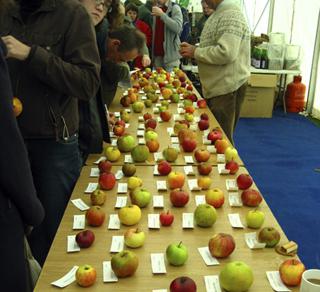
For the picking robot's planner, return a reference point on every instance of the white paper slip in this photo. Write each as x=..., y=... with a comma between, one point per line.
x=154, y=221
x=221, y=158
x=235, y=200
x=143, y=97
x=200, y=199
x=94, y=172
x=206, y=132
x=108, y=274
x=205, y=141
x=159, y=120
x=128, y=158
x=140, y=133
x=91, y=188
x=114, y=142
x=67, y=279
x=160, y=290
x=121, y=202
x=117, y=243
x=188, y=169
x=158, y=201
x=79, y=222
x=155, y=170
x=157, y=263
x=160, y=97
x=180, y=105
x=158, y=91
x=100, y=159
x=140, y=119
x=119, y=174
x=177, y=117
x=212, y=149
x=127, y=125
x=117, y=114
x=128, y=110
x=212, y=283
x=188, y=159
x=174, y=140
x=141, y=91
x=112, y=135
x=193, y=185
x=176, y=146
x=142, y=141
x=81, y=205
x=158, y=156
x=155, y=110
x=161, y=185
x=158, y=104
x=114, y=222
x=235, y=220
x=187, y=220
x=252, y=242
x=222, y=168
x=207, y=257
x=122, y=188
x=170, y=131
x=141, y=127
x=72, y=245
x=195, y=105
x=276, y=282
x=231, y=185
x=194, y=127
x=125, y=93
x=197, y=119
x=180, y=110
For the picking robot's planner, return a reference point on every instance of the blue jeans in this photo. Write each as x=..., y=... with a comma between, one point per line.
x=55, y=168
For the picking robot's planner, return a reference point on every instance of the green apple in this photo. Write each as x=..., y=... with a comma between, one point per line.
x=124, y=263
x=151, y=135
x=170, y=154
x=236, y=277
x=230, y=154
x=188, y=117
x=125, y=116
x=255, y=219
x=140, y=197
x=140, y=153
x=126, y=143
x=148, y=103
x=165, y=103
x=177, y=254
x=187, y=102
x=175, y=98
x=112, y=153
x=163, y=108
x=138, y=106
x=134, y=238
x=205, y=215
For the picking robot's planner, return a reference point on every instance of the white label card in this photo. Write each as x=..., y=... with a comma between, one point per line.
x=72, y=245
x=205, y=141
x=174, y=140
x=155, y=170
x=154, y=221
x=207, y=257
x=156, y=110
x=159, y=120
x=91, y=188
x=121, y=202
x=161, y=185
x=122, y=188
x=170, y=131
x=188, y=169
x=158, y=156
x=180, y=110
x=193, y=185
x=108, y=274
x=140, y=133
x=194, y=127
x=212, y=149
x=141, y=127
x=143, y=97
x=119, y=174
x=188, y=159
x=140, y=119
x=276, y=282
x=235, y=220
x=176, y=117
x=114, y=142
x=197, y=119
x=252, y=242
x=81, y=205
x=112, y=135
x=142, y=141
x=79, y=222
x=117, y=243
x=235, y=200
x=117, y=114
x=176, y=146
x=67, y=279
x=221, y=158
x=212, y=283
x=222, y=168
x=200, y=199
x=231, y=185
x=158, y=91
x=114, y=222
x=100, y=159
x=157, y=263
x=158, y=201
x=94, y=172
x=127, y=125
x=187, y=220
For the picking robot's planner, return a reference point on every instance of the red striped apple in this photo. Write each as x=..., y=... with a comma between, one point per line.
x=221, y=245
x=251, y=198
x=86, y=275
x=291, y=272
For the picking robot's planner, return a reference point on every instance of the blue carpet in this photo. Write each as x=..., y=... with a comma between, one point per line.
x=282, y=154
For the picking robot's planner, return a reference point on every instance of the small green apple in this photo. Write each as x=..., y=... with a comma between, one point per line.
x=255, y=219
x=177, y=254
x=205, y=215
x=140, y=197
x=134, y=238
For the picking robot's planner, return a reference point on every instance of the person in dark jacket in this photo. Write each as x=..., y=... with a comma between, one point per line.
x=51, y=66
x=19, y=205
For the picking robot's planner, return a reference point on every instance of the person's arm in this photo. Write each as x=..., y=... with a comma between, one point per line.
x=173, y=23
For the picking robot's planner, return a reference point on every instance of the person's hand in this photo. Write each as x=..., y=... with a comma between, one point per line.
x=146, y=61
x=187, y=50
x=15, y=48
x=157, y=11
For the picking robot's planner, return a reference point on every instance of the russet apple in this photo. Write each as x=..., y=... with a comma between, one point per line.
x=291, y=272
x=95, y=216
x=140, y=197
x=129, y=169
x=183, y=284
x=204, y=182
x=244, y=181
x=148, y=103
x=98, y=197
x=179, y=197
x=204, y=168
x=205, y=215
x=255, y=219
x=221, y=245
x=112, y=153
x=177, y=254
x=166, y=218
x=86, y=276
x=125, y=101
x=85, y=238
x=134, y=182
x=270, y=236
x=215, y=197
x=129, y=215
x=251, y=198
x=126, y=143
x=202, y=155
x=107, y=181
x=124, y=263
x=134, y=238
x=164, y=167
x=140, y=153
x=176, y=180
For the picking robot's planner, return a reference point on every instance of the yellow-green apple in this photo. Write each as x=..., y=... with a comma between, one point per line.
x=124, y=263
x=244, y=181
x=166, y=218
x=179, y=126
x=204, y=168
x=166, y=93
x=205, y=215
x=291, y=272
x=134, y=182
x=204, y=116
x=153, y=145
x=85, y=238
x=129, y=215
x=134, y=98
x=233, y=166
x=150, y=123
x=140, y=197
x=86, y=275
x=175, y=98
x=187, y=102
x=164, y=167
x=107, y=181
x=176, y=179
x=95, y=216
x=204, y=182
x=170, y=154
x=236, y=276
x=129, y=169
x=134, y=238
x=188, y=117
x=183, y=284
x=221, y=145
x=177, y=254
x=179, y=197
x=112, y=153
x=148, y=103
x=202, y=155
x=150, y=135
x=165, y=116
x=231, y=153
x=188, y=144
x=140, y=153
x=138, y=106
x=125, y=116
x=17, y=106
x=255, y=219
x=203, y=125
x=104, y=166
x=147, y=116
x=126, y=142
x=215, y=197
x=201, y=103
x=251, y=198
x=214, y=135
x=118, y=130
x=221, y=245
x=270, y=236
x=153, y=97
x=98, y=197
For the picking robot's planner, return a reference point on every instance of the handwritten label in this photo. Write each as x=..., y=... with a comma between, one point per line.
x=252, y=242
x=94, y=172
x=193, y=185
x=119, y=174
x=231, y=185
x=188, y=160
x=140, y=133
x=108, y=274
x=187, y=220
x=100, y=159
x=221, y=158
x=207, y=257
x=142, y=141
x=188, y=169
x=154, y=221
x=91, y=188
x=81, y=205
x=121, y=202
x=212, y=149
x=235, y=200
x=67, y=279
x=114, y=222
x=158, y=201
x=117, y=243
x=72, y=245
x=122, y=188
x=235, y=220
x=157, y=263
x=158, y=156
x=161, y=185
x=79, y=222
x=212, y=283
x=276, y=282
x=200, y=199
x=222, y=168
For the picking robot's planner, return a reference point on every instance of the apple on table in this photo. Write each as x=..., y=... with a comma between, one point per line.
x=95, y=216
x=124, y=263
x=183, y=284
x=86, y=275
x=166, y=218
x=270, y=236
x=291, y=272
x=134, y=238
x=177, y=254
x=85, y=238
x=221, y=245
x=205, y=215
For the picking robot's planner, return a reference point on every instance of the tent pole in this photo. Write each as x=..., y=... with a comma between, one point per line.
x=271, y=12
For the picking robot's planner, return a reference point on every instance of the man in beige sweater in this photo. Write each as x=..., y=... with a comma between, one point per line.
x=223, y=58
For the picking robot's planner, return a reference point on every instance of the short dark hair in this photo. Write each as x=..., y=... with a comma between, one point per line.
x=130, y=38
x=132, y=7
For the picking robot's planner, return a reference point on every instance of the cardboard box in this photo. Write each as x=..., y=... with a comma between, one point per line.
x=259, y=98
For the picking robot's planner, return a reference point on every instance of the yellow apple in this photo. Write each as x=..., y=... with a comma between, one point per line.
x=129, y=215
x=134, y=182
x=231, y=154
x=204, y=182
x=112, y=153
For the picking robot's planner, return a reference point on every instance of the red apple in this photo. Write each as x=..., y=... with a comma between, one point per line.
x=188, y=145
x=251, y=198
x=105, y=166
x=176, y=180
x=118, y=130
x=147, y=116
x=232, y=166
x=166, y=218
x=204, y=168
x=204, y=116
x=153, y=145
x=179, y=197
x=192, y=97
x=151, y=123
x=189, y=87
x=291, y=272
x=95, y=216
x=186, y=133
x=164, y=167
x=183, y=284
x=215, y=197
x=107, y=181
x=202, y=103
x=86, y=275
x=202, y=155
x=221, y=145
x=120, y=123
x=221, y=245
x=215, y=135
x=165, y=116
x=189, y=109
x=244, y=181
x=203, y=125
x=85, y=238
x=124, y=263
